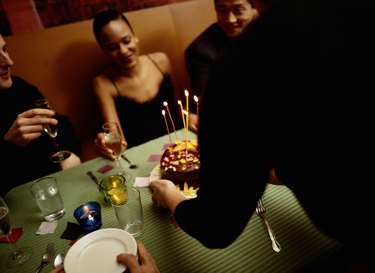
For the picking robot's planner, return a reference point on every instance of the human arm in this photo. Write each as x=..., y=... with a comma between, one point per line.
x=105, y=94
x=144, y=264
x=72, y=161
x=58, y=269
x=29, y=126
x=193, y=122
x=68, y=140
x=103, y=150
x=166, y=194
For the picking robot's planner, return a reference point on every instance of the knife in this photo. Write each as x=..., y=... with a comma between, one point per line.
x=93, y=177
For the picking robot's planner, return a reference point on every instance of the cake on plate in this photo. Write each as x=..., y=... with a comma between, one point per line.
x=180, y=163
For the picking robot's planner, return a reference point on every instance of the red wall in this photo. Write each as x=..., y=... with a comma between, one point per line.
x=20, y=16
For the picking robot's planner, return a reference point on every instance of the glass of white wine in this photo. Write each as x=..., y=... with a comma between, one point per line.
x=52, y=130
x=20, y=255
x=113, y=141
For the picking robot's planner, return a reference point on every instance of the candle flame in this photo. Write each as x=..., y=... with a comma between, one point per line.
x=195, y=98
x=163, y=112
x=165, y=103
x=179, y=102
x=186, y=93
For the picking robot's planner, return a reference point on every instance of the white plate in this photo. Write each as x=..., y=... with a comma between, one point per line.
x=156, y=174
x=96, y=252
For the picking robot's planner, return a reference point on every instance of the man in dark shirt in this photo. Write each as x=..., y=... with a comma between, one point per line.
x=310, y=110
x=24, y=146
x=233, y=16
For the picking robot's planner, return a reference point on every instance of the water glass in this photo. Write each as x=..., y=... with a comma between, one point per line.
x=48, y=197
x=130, y=213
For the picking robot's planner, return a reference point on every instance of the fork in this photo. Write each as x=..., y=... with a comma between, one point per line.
x=47, y=257
x=261, y=212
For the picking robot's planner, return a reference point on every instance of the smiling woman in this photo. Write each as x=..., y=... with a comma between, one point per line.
x=30, y=15
x=67, y=57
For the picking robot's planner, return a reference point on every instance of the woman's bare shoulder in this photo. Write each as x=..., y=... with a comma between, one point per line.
x=99, y=79
x=162, y=59
x=100, y=83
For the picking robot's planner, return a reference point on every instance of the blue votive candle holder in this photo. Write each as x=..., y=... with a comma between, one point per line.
x=89, y=216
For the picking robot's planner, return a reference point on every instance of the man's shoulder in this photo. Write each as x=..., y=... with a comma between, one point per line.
x=17, y=80
x=22, y=86
x=209, y=35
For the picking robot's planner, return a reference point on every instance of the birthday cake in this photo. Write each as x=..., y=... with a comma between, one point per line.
x=180, y=163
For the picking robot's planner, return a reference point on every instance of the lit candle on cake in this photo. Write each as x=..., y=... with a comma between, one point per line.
x=166, y=124
x=182, y=113
x=187, y=120
x=187, y=116
x=170, y=116
x=196, y=100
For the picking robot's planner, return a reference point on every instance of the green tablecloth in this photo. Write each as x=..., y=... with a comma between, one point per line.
x=173, y=250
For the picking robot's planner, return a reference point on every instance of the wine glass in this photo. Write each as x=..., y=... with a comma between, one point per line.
x=113, y=140
x=20, y=255
x=52, y=130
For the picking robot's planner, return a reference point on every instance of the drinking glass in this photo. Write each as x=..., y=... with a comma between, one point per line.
x=48, y=197
x=113, y=141
x=129, y=212
x=20, y=255
x=52, y=130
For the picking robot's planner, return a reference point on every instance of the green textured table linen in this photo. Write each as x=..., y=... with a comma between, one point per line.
x=173, y=250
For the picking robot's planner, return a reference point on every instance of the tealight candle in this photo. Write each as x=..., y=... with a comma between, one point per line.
x=113, y=186
x=89, y=216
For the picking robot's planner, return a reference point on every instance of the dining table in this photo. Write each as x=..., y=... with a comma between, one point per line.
x=173, y=250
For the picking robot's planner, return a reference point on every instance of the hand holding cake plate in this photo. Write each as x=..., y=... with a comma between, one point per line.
x=189, y=192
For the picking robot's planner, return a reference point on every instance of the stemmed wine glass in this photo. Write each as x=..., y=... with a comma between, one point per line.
x=113, y=140
x=52, y=130
x=20, y=255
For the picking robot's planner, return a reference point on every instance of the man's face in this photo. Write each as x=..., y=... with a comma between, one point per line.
x=5, y=64
x=234, y=15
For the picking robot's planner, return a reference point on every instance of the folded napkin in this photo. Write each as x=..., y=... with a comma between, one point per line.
x=105, y=169
x=142, y=182
x=16, y=234
x=154, y=158
x=72, y=231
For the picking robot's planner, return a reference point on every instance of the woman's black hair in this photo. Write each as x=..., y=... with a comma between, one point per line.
x=103, y=17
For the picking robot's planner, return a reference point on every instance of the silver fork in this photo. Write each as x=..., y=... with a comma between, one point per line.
x=261, y=212
x=47, y=257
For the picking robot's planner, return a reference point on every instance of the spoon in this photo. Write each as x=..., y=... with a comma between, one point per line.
x=59, y=259
x=132, y=165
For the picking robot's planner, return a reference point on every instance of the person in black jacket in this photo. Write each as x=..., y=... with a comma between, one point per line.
x=300, y=79
x=24, y=146
x=233, y=16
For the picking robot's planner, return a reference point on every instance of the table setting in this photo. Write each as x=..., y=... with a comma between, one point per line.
x=171, y=247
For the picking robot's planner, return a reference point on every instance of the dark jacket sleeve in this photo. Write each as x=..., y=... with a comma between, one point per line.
x=67, y=137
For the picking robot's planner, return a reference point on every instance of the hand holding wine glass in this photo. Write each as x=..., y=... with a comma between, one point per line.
x=113, y=140
x=20, y=255
x=52, y=131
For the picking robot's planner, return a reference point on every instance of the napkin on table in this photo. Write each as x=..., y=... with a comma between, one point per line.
x=16, y=234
